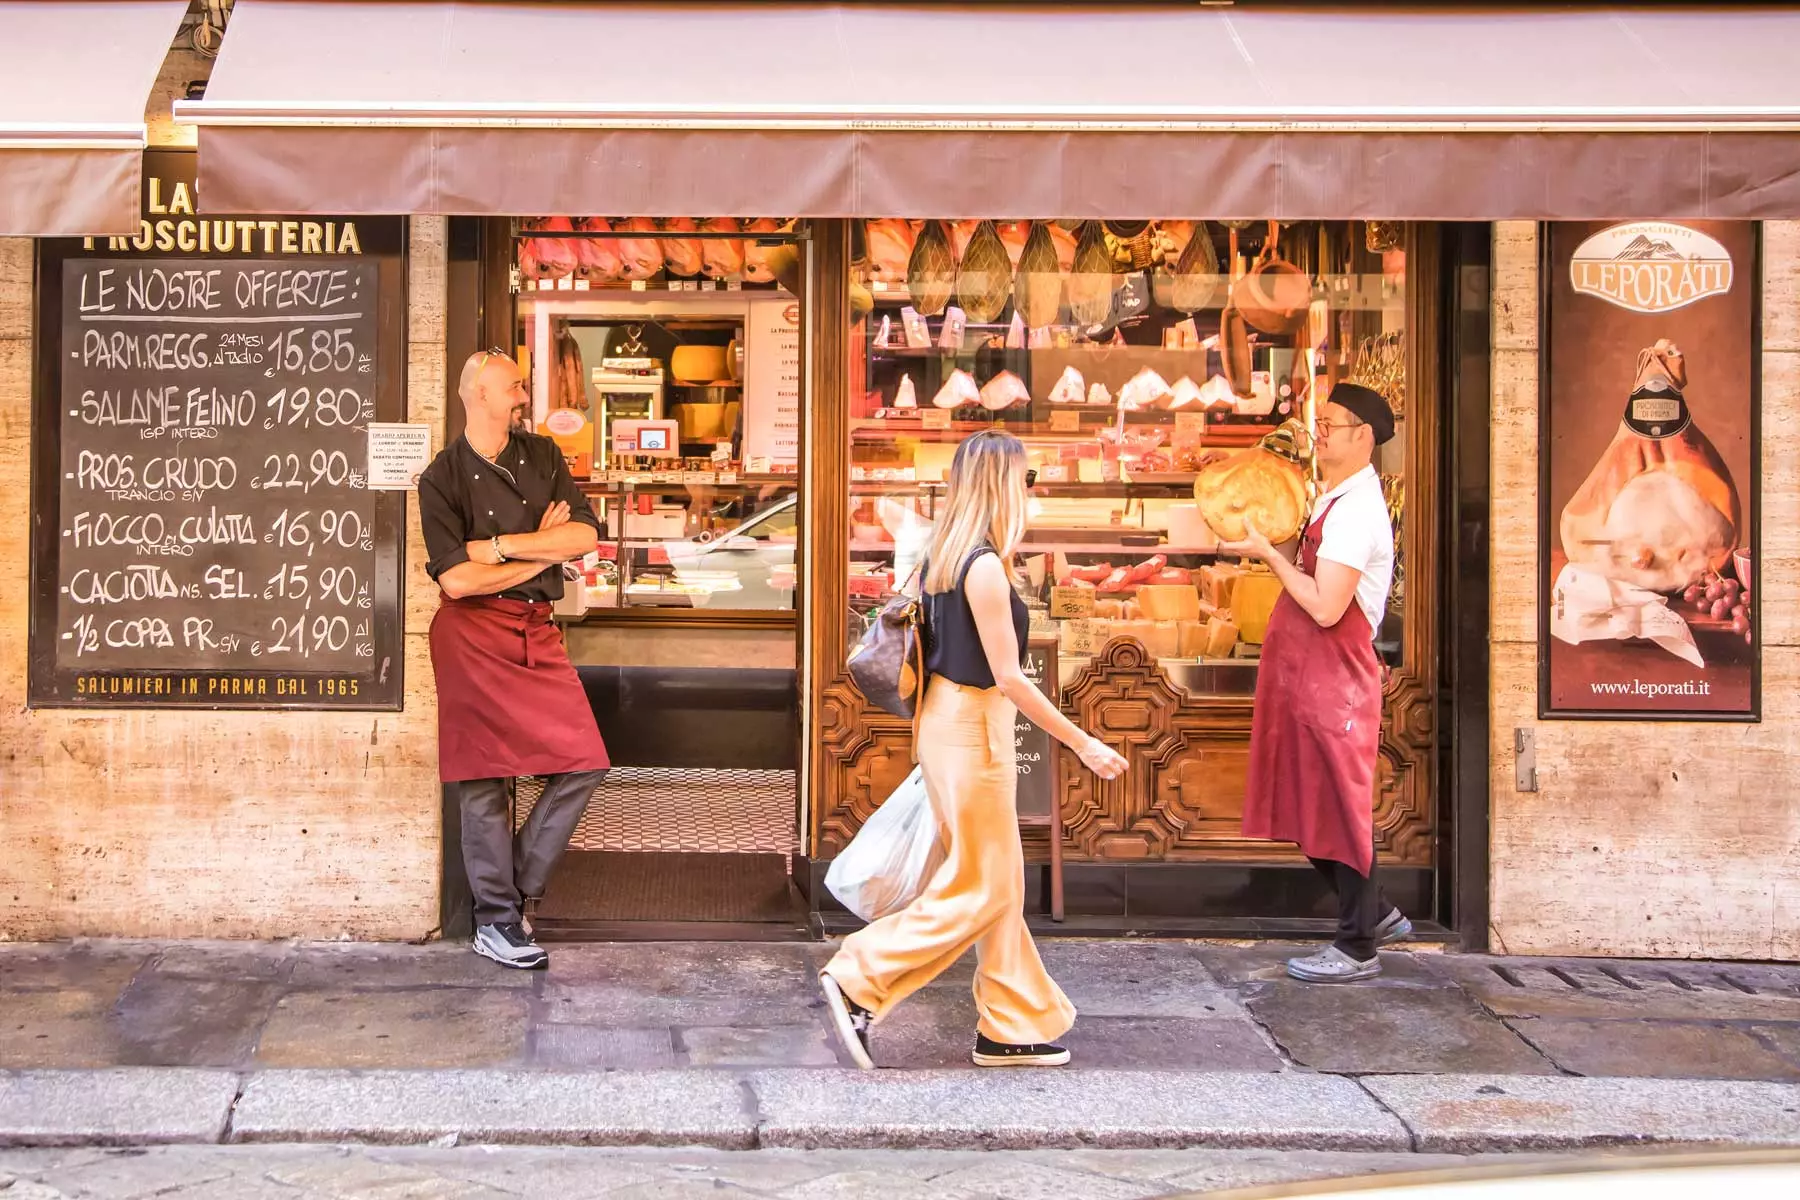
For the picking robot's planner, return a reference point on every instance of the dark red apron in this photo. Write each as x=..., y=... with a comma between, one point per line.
x=1316, y=729
x=509, y=702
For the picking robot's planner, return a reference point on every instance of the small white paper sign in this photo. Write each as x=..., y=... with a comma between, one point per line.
x=398, y=452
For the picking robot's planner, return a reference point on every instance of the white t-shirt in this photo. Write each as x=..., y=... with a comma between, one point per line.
x=1359, y=535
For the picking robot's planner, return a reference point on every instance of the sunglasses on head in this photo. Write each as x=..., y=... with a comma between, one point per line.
x=489, y=353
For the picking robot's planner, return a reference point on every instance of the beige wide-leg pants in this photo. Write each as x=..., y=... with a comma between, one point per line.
x=977, y=897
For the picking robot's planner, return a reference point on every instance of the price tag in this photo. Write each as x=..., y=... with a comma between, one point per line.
x=1190, y=428
x=727, y=478
x=699, y=477
x=934, y=418
x=1079, y=637
x=1071, y=603
x=1065, y=420
x=665, y=477
x=607, y=550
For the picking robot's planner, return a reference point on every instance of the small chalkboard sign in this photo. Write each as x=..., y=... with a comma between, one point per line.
x=1038, y=765
x=205, y=535
x=1036, y=749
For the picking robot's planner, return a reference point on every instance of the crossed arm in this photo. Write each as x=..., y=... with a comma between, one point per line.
x=556, y=540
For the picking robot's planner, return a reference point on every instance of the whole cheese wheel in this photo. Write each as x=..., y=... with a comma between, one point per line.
x=699, y=364
x=1253, y=485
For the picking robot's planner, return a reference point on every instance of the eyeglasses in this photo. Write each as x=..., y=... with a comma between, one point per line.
x=1325, y=427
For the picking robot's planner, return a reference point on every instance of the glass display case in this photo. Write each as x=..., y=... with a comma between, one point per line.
x=1126, y=356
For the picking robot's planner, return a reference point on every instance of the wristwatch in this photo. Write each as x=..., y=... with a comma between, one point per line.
x=498, y=557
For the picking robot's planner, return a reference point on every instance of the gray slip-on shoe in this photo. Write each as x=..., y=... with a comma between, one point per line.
x=1332, y=965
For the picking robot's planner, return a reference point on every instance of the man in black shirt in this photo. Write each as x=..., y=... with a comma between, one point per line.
x=501, y=514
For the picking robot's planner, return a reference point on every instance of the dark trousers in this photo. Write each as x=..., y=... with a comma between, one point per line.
x=1361, y=906
x=505, y=869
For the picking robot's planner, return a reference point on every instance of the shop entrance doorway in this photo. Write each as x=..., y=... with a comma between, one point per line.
x=668, y=371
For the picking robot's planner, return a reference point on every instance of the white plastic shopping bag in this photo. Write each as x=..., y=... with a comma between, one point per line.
x=888, y=862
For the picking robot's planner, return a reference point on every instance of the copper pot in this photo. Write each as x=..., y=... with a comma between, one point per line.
x=1274, y=294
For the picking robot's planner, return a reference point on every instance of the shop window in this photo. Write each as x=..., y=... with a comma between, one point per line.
x=1127, y=356
x=664, y=356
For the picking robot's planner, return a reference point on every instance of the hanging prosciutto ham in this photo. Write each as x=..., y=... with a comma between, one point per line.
x=721, y=258
x=640, y=258
x=547, y=258
x=890, y=245
x=596, y=259
x=757, y=268
x=682, y=256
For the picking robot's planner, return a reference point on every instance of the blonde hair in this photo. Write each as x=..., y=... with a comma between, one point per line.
x=984, y=505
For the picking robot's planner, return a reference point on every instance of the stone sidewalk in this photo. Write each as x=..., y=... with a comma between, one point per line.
x=726, y=1045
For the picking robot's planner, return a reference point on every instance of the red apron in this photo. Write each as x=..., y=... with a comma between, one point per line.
x=1316, y=729
x=509, y=702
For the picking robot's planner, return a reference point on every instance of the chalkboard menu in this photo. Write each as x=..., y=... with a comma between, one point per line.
x=1035, y=750
x=205, y=534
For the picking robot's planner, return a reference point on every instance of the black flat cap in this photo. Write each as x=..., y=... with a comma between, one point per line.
x=1369, y=408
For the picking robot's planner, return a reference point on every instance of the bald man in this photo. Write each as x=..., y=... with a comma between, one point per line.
x=501, y=514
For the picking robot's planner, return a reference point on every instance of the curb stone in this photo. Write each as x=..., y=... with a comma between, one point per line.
x=1470, y=1113
x=123, y=1106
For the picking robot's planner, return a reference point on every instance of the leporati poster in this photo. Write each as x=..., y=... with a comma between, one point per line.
x=1649, y=465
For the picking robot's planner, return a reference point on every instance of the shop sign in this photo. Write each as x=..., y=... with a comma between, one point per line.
x=1651, y=266
x=1650, y=462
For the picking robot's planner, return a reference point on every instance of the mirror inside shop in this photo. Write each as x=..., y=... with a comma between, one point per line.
x=1151, y=368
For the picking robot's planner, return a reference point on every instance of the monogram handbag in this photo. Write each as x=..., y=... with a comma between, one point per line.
x=888, y=663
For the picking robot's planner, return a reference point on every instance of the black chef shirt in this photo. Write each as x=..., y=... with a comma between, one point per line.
x=464, y=498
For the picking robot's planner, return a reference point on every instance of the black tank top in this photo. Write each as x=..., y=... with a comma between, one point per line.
x=952, y=643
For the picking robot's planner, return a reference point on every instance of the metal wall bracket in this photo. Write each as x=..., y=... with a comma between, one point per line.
x=1525, y=760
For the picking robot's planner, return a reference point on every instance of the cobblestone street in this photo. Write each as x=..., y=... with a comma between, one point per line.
x=481, y=1173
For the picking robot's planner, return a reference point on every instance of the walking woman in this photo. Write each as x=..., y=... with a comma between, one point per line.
x=975, y=629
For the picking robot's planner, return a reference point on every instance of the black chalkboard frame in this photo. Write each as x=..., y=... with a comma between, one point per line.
x=54, y=685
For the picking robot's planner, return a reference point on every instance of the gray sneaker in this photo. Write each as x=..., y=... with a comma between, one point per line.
x=509, y=945
x=1332, y=965
x=1396, y=928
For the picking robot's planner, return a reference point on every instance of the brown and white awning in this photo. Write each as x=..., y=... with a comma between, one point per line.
x=72, y=97
x=1103, y=110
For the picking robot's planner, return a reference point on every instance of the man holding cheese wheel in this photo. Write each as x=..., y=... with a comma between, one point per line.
x=1317, y=725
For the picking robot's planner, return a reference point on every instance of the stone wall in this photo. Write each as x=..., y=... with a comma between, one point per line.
x=1644, y=839
x=199, y=824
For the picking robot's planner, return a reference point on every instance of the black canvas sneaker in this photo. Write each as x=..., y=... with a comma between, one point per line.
x=509, y=945
x=989, y=1053
x=851, y=1021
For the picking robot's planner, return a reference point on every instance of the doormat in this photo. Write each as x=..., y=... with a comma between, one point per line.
x=601, y=885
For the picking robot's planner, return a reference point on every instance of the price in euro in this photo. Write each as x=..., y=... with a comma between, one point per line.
x=297, y=351
x=326, y=408
x=342, y=529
